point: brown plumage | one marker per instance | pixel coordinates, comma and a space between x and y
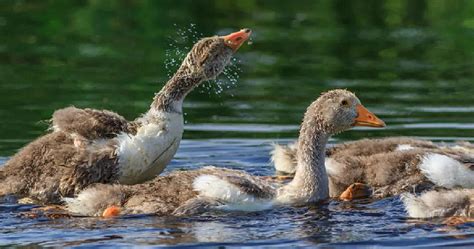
89, 146
52, 166
368, 147
91, 124
391, 166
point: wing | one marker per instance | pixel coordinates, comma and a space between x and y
51, 167
232, 186
196, 206
250, 186
90, 123
86, 167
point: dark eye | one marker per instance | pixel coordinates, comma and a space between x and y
344, 103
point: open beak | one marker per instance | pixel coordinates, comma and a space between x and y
236, 39
366, 118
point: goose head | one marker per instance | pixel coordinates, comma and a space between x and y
338, 110
210, 55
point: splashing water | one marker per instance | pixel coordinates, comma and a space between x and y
180, 46
231, 75
250, 41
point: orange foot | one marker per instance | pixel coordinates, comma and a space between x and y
356, 191
457, 220
111, 211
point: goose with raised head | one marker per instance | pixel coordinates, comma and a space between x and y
390, 166
196, 191
89, 146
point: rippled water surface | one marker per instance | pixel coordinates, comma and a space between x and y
408, 61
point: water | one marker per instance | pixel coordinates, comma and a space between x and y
409, 61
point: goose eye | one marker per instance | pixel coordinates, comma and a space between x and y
345, 103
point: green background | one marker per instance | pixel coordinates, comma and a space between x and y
409, 61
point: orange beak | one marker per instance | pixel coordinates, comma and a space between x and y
111, 211
366, 118
236, 39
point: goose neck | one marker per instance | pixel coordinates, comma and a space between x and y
310, 183
171, 96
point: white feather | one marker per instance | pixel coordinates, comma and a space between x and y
438, 203
146, 154
404, 147
414, 207
446, 172
233, 198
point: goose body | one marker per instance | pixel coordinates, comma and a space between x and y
88, 146
390, 166
212, 188
179, 193
142, 148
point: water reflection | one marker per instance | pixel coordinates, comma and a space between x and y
409, 60
352, 223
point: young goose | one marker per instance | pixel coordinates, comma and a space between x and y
390, 166
444, 203
97, 146
196, 191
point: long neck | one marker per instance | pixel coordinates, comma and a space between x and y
171, 96
310, 183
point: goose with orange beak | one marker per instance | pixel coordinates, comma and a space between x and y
387, 166
88, 146
213, 188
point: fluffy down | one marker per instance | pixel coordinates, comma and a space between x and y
89, 123
439, 203
284, 158
94, 200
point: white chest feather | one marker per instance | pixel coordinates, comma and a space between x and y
146, 154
